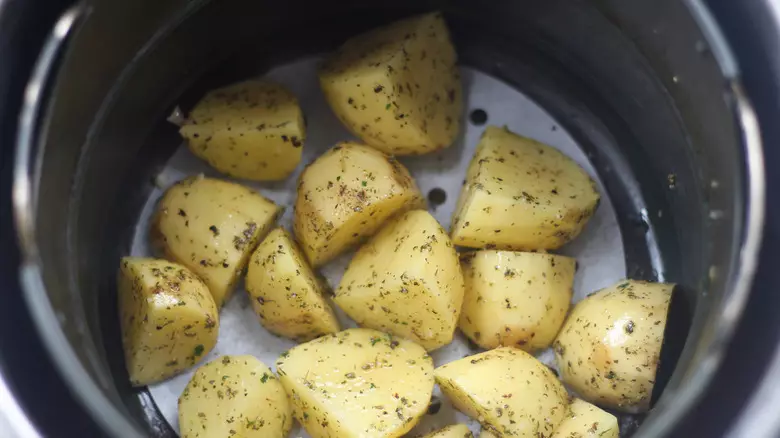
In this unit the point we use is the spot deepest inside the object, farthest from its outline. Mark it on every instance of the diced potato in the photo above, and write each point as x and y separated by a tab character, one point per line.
587	421
452	431
211	226
407	281
515	298
252	130
484	433
346	195
521	195
286	294
357	383
398	87
507	390
609	346
169	320
234	396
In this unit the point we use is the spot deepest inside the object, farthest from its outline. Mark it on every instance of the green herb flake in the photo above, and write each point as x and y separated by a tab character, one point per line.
198	350
264	378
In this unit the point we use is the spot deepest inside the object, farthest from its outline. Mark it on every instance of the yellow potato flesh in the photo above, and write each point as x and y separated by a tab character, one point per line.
169	320
453	431
587	421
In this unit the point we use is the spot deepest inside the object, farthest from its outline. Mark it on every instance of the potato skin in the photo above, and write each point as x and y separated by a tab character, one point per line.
234	396
211	227
286	294
398	87
252	130
356	383
515	298
507	390
168	317
609	346
451	431
345	195
585	420
407	281
521	195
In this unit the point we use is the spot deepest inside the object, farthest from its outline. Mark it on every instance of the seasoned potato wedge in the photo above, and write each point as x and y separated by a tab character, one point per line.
252	130
609	346
398	87
234	396
406	280
587	421
286	294
452	431
169	320
507	390
357	383
346	195
211	226
485	433
515	298
521	195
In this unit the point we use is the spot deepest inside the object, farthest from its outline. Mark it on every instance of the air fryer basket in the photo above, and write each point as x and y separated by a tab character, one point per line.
646	89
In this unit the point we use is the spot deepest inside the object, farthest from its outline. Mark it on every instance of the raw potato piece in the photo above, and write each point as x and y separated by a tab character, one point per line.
515	298
587	421
234	396
521	195
211	226
609	346
168	317
507	390
398	87
252	130
357	383
407	281
453	431
286	294
346	195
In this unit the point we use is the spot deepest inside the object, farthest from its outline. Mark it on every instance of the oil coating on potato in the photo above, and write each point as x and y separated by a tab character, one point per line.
407	281
211	226
452	431
587	421
357	383
398	87
345	196
515	298
521	195
169	320
507	390
609	346
234	396
252	130
286	294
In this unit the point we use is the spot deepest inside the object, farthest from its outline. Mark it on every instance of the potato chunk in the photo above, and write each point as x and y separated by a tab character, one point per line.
515	298
357	383
407	281
587	421
346	195
452	431
609	346
398	87
234	396
169	320
286	294
507	390
521	195
252	130
211	226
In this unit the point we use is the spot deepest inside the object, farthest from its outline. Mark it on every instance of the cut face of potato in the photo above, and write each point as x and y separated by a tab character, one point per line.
234	396
515	298
521	195
211	227
252	130
169	320
609	346
587	421
453	431
346	195
507	390
398	87
357	383
286	294
406	280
